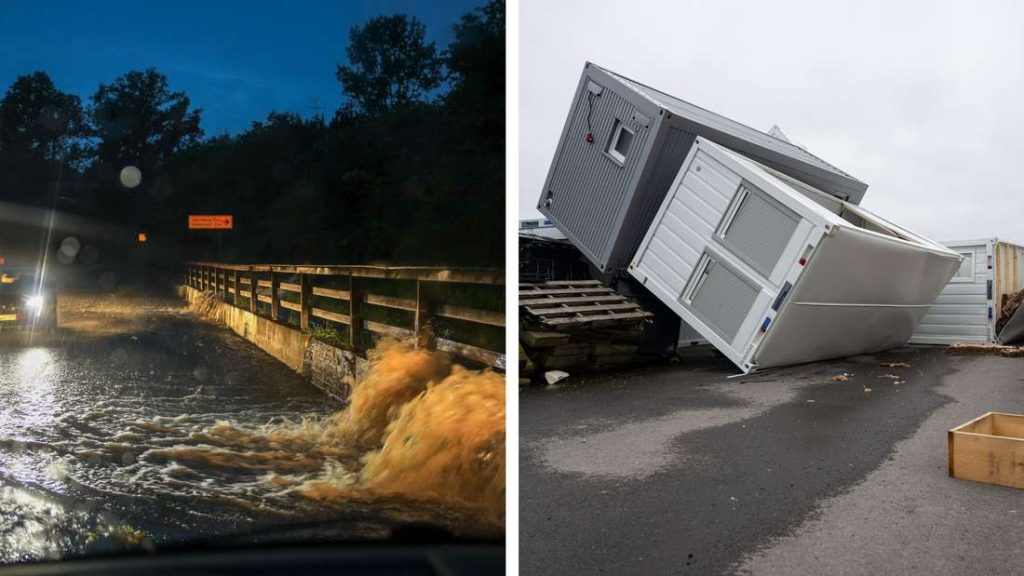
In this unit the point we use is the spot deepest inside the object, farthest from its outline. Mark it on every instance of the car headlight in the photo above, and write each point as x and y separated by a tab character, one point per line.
35	302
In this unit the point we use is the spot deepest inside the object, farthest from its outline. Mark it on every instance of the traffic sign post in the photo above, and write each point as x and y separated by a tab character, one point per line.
216	222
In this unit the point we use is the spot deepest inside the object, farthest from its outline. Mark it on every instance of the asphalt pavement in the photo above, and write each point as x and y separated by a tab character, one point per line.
834	467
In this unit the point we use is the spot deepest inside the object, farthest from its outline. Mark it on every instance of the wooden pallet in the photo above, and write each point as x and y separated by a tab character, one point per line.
577	304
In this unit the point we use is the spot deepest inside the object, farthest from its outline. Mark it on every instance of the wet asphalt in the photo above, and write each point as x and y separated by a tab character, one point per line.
681	470
125	376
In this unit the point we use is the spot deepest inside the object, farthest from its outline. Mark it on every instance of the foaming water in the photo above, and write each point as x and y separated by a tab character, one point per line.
429	437
186	433
417	427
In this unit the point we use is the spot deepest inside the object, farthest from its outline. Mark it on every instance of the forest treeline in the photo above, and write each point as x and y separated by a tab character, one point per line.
409	170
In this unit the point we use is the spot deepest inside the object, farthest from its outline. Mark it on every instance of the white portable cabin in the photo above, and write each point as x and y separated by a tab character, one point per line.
969	306
774	272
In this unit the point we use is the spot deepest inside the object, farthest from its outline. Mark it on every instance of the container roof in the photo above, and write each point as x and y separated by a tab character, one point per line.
708	118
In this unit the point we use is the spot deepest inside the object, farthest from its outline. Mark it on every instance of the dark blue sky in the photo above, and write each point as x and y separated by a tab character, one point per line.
237	60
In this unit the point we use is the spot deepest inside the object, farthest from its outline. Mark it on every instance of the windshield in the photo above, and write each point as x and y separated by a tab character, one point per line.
257	250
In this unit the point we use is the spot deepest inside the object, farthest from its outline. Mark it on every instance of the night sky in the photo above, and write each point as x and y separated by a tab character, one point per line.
236	60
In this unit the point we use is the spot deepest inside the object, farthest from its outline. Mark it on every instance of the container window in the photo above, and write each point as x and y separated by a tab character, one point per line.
966	271
622	139
720	296
757	228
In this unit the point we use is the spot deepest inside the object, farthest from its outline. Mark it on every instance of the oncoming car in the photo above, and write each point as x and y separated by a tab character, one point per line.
26	302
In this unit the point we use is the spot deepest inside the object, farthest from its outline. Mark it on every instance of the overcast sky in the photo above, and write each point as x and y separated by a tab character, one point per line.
922	101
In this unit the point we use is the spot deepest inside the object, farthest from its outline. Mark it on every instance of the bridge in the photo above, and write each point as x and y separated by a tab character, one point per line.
459	310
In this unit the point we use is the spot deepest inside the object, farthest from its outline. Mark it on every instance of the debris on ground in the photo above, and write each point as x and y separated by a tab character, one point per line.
892	376
1010	328
990	349
895	364
840	377
866	389
1008	309
555	376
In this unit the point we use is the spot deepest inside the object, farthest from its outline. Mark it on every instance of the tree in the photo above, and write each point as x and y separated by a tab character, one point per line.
391	65
40	128
136	121
476	59
38	119
139	121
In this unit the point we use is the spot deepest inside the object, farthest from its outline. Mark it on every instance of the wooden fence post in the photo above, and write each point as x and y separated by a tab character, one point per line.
275	295
422	316
305	300
355	313
252	292
235	280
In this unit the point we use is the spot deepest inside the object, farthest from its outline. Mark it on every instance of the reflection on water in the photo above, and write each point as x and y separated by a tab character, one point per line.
125	441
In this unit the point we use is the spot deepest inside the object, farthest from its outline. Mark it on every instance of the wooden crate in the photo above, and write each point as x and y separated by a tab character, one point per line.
989	449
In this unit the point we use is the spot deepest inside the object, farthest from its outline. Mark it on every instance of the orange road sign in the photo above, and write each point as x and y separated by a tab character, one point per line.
211	221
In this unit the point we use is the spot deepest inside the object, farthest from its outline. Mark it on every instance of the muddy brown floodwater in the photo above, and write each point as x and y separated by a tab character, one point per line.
141	424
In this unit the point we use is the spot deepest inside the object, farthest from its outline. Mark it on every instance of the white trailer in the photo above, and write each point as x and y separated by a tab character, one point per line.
969	306
774	272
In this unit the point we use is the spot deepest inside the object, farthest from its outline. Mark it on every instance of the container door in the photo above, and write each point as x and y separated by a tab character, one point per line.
719	249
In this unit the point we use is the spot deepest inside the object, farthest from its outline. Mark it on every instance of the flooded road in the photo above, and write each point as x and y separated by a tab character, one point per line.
144	424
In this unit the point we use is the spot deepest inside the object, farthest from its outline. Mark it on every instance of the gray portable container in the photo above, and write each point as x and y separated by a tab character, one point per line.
621	148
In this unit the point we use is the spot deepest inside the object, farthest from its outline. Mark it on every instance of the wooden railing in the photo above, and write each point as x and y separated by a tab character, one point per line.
459	310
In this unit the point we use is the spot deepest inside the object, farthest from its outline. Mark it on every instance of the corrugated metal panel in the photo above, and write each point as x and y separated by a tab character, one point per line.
853	193
859	291
1007	262
700	115
723	299
606	208
760	230
960	313
688	222
664	168
588	188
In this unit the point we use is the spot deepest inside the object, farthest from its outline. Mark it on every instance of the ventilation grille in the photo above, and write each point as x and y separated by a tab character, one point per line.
722	298
757	229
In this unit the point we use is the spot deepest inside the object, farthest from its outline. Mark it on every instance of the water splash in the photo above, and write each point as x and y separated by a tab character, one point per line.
416	428
446	443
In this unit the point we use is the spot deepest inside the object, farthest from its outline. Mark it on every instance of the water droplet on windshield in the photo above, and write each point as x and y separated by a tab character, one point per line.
70	246
130	176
